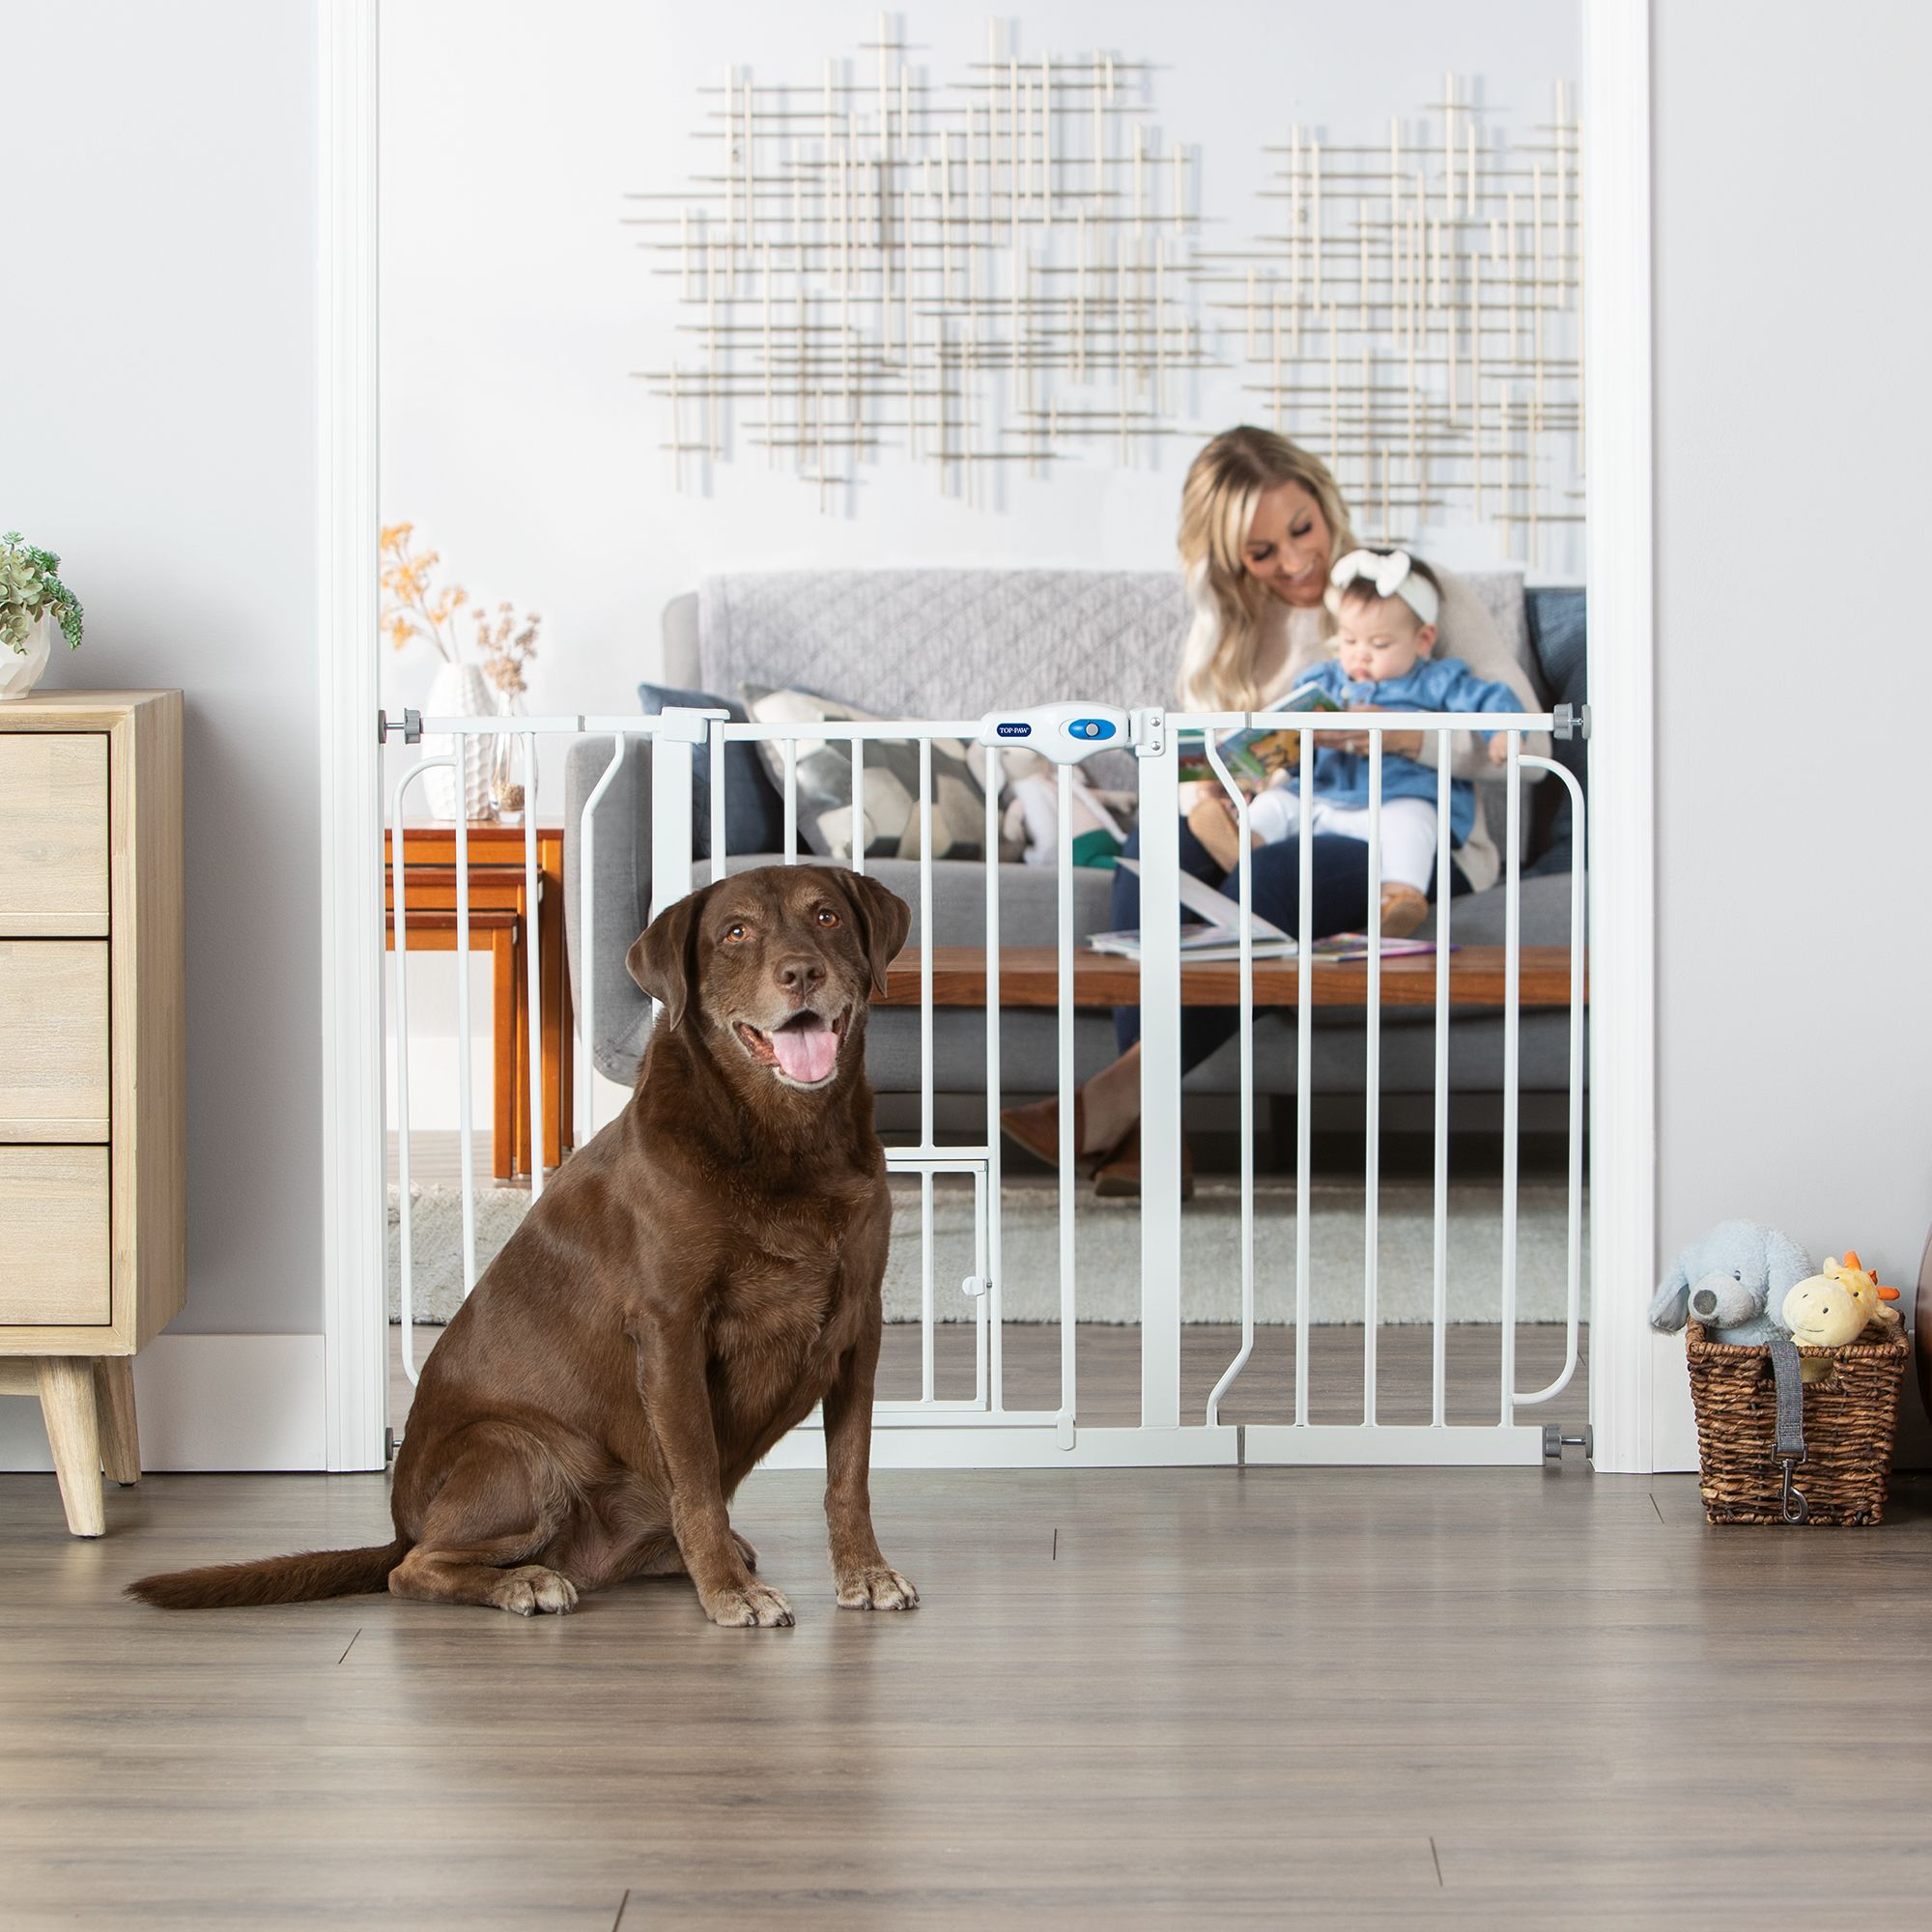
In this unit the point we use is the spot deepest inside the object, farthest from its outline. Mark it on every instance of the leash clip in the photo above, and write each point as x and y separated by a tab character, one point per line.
1792	1506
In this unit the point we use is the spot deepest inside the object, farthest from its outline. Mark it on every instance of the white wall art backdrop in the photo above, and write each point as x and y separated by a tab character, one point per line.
530	326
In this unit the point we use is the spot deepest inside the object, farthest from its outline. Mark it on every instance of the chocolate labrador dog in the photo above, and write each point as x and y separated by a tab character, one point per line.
689	1285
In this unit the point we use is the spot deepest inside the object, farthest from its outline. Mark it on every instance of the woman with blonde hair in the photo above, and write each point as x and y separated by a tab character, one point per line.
1262	524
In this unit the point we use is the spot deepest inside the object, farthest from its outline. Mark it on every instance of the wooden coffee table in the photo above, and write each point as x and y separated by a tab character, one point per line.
1030	976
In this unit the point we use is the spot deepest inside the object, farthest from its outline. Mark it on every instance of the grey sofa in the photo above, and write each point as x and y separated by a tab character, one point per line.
953	644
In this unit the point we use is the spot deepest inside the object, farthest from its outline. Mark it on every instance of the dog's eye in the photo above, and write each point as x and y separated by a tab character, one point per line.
736	930
827	916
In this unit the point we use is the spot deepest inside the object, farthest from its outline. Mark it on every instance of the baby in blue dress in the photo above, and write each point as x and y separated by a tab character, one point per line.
1385	604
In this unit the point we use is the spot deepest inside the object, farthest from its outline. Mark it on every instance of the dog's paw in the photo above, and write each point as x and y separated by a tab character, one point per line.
746	1551
534	1590
755	1605
877	1589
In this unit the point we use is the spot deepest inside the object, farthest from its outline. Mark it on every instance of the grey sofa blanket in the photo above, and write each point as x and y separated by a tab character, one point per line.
946	643
957	643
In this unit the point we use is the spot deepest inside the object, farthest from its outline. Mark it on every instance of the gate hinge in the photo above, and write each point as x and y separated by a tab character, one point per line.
410	725
1555	1442
1148	730
389	1447
1572	721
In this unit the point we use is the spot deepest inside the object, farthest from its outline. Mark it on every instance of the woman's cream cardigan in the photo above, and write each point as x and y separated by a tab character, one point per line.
1466	631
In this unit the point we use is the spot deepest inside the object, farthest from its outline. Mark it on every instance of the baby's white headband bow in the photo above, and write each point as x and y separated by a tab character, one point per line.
1392	574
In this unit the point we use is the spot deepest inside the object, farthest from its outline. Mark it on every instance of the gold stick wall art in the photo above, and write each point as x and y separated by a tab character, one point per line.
985	270
1009	267
1419	312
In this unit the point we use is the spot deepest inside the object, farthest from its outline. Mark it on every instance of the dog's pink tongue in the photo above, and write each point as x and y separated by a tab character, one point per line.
807	1052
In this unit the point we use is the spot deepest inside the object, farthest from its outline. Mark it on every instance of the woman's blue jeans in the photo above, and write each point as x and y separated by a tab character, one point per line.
1341	904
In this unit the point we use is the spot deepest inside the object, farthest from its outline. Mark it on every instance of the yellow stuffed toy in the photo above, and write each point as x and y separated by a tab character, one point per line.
1830	1309
1865	1284
1823	1312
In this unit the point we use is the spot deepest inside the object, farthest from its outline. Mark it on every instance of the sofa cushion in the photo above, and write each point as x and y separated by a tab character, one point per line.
1482	919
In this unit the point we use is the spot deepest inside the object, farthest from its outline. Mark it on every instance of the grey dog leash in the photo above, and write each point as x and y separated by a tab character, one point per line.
1790	1440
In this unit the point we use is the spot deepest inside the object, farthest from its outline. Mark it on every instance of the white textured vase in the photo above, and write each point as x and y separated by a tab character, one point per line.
18	674
459	690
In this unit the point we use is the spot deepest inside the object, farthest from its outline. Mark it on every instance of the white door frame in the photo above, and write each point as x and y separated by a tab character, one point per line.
1622	870
354	1302
1616	114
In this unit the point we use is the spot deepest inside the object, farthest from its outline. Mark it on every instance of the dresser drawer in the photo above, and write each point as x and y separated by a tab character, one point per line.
53	1039
55	1257
53	834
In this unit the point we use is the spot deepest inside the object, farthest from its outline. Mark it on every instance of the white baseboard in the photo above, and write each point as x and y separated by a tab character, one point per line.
208	1402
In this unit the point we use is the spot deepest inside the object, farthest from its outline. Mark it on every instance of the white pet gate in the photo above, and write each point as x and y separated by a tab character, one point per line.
982	1429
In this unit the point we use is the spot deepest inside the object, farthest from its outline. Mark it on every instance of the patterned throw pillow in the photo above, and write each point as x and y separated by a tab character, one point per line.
891	803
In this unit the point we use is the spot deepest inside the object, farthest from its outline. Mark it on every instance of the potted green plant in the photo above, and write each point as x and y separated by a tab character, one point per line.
33	603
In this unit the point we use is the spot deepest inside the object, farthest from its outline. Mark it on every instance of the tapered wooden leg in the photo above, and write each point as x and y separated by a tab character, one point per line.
66	1405
114	1408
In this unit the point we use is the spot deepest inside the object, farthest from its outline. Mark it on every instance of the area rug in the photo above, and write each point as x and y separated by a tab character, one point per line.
1108	1252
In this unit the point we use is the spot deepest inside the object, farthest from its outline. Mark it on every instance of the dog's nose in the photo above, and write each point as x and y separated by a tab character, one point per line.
801	975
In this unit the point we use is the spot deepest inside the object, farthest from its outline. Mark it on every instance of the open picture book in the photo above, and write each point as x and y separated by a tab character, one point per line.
1253	757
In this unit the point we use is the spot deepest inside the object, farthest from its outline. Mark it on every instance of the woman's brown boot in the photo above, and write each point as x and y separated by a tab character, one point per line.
1036	1127
1119	1176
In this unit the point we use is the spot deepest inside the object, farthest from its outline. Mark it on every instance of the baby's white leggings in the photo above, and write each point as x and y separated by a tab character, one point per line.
1408	829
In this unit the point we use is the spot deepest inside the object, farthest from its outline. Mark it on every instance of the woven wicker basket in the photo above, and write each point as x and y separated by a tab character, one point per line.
1849	1420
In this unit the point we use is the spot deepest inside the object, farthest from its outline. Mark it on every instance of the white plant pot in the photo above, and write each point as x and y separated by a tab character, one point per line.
458	690
18	675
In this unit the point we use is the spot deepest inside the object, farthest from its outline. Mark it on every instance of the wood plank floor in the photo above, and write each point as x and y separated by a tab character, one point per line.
1214	1698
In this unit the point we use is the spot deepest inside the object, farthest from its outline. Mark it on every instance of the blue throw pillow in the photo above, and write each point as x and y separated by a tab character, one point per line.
754	810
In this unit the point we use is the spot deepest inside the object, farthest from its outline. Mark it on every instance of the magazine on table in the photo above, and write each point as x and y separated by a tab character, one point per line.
1211	936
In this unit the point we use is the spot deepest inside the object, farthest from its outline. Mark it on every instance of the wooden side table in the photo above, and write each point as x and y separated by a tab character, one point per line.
499	924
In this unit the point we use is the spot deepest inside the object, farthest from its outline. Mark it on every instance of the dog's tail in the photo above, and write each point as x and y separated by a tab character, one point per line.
275	1579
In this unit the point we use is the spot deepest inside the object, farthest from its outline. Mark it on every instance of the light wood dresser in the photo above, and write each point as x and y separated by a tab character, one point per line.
92	1066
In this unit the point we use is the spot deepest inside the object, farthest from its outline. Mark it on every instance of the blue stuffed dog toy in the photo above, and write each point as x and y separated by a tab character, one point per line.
1734	1281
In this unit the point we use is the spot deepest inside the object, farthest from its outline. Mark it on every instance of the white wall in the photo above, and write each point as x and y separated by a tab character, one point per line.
158	355
1793	499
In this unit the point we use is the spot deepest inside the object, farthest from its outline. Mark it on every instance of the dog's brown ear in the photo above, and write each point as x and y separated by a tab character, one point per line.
663	959
883	919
